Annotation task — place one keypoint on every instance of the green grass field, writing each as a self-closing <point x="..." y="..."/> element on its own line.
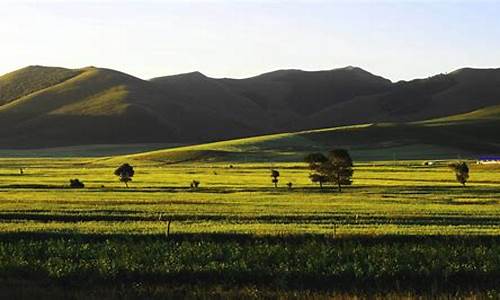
<point x="401" y="229"/>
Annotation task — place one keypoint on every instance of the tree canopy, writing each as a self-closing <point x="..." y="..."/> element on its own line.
<point x="461" y="170"/>
<point x="335" y="168"/>
<point x="125" y="172"/>
<point x="275" y="174"/>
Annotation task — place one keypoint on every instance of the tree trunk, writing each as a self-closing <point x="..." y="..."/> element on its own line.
<point x="340" y="187"/>
<point x="321" y="185"/>
<point x="126" y="184"/>
<point x="275" y="184"/>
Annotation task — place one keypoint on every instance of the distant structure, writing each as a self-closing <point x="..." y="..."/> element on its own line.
<point x="485" y="160"/>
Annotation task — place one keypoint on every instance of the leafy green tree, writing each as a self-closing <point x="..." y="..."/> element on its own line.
<point x="335" y="168"/>
<point x="275" y="174"/>
<point x="461" y="170"/>
<point x="125" y="172"/>
<point x="318" y="178"/>
<point x="339" y="168"/>
<point x="315" y="161"/>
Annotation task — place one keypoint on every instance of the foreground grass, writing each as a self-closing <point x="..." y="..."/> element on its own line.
<point x="403" y="229"/>
<point x="366" y="265"/>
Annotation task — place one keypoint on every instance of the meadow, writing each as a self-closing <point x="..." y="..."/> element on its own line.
<point x="401" y="229"/>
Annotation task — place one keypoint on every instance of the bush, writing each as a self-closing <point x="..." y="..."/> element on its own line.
<point x="76" y="184"/>
<point x="195" y="184"/>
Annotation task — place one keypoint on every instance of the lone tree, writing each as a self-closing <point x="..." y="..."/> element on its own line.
<point x="336" y="168"/>
<point x="125" y="172"/>
<point x="461" y="170"/>
<point x="315" y="161"/>
<point x="275" y="174"/>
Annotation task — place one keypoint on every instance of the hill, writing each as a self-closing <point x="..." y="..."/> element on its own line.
<point x="31" y="79"/>
<point x="105" y="106"/>
<point x="468" y="135"/>
<point x="442" y="95"/>
<point x="48" y="107"/>
<point x="290" y="96"/>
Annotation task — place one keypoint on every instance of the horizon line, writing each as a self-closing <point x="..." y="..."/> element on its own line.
<point x="257" y="75"/>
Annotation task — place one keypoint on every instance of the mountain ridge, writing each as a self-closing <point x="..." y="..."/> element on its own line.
<point x="51" y="106"/>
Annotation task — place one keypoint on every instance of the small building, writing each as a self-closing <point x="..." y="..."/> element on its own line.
<point x="484" y="160"/>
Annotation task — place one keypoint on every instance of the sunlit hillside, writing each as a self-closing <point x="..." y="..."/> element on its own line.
<point x="468" y="135"/>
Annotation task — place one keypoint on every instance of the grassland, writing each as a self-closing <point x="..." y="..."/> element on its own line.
<point x="401" y="229"/>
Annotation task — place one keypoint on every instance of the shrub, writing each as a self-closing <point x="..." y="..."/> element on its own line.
<point x="76" y="184"/>
<point x="195" y="184"/>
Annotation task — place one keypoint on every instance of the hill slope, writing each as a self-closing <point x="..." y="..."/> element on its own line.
<point x="31" y="79"/>
<point x="105" y="106"/>
<point x="47" y="107"/>
<point x="292" y="95"/>
<point x="468" y="135"/>
<point x="459" y="92"/>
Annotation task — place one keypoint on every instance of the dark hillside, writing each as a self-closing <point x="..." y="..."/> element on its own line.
<point x="45" y="107"/>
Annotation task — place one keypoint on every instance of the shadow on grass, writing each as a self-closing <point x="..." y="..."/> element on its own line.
<point x="326" y="219"/>
<point x="252" y="238"/>
<point x="312" y="189"/>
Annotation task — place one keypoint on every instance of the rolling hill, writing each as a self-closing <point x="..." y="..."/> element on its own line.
<point x="48" y="107"/>
<point x="465" y="135"/>
<point x="105" y="106"/>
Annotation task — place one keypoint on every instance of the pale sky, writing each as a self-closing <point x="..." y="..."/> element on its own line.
<point x="395" y="39"/>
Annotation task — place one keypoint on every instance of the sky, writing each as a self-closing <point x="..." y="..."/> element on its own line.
<point x="399" y="40"/>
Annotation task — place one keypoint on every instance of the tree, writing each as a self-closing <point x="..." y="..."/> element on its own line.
<point x="315" y="160"/>
<point x="125" y="172"/>
<point x="461" y="170"/>
<point x="336" y="168"/>
<point x="275" y="174"/>
<point x="339" y="168"/>
<point x="319" y="179"/>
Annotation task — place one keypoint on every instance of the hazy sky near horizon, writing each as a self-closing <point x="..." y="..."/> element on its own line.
<point x="395" y="39"/>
